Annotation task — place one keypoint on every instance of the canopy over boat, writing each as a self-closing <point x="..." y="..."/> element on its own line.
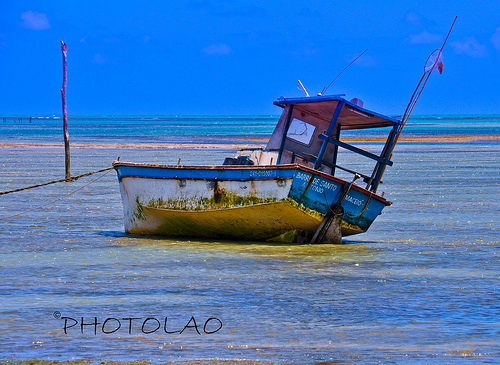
<point x="309" y="130"/>
<point x="352" y="116"/>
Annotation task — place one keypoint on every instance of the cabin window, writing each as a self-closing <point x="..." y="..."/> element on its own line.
<point x="300" y="131"/>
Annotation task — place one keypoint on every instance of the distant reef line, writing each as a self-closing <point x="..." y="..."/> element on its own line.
<point x="257" y="143"/>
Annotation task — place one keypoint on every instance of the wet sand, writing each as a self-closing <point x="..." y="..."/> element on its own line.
<point x="145" y="362"/>
<point x="235" y="146"/>
<point x="253" y="143"/>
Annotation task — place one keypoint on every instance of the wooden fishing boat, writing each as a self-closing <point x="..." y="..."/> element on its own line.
<point x="289" y="191"/>
<point x="285" y="192"/>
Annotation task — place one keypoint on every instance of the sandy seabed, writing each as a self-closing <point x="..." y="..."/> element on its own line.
<point x="254" y="143"/>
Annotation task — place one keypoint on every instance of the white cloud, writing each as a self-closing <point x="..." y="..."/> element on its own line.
<point x="305" y="51"/>
<point x="469" y="46"/>
<point x="99" y="59"/>
<point x="495" y="39"/>
<point x="425" y="38"/>
<point x="217" y="49"/>
<point x="414" y="18"/>
<point x="35" y="21"/>
<point x="363" y="61"/>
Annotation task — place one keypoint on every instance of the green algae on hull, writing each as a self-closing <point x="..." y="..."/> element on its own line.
<point x="139" y="210"/>
<point x="225" y="201"/>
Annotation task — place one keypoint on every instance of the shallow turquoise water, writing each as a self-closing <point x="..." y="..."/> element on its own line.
<point x="421" y="286"/>
<point x="210" y="129"/>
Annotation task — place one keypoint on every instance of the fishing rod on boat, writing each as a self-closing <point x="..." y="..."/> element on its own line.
<point x="302" y="87"/>
<point x="345" y="68"/>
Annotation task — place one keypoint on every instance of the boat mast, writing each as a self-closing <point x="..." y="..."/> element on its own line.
<point x="380" y="168"/>
<point x="427" y="71"/>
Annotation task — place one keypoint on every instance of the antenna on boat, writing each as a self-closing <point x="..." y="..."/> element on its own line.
<point x="303" y="88"/>
<point x="354" y="60"/>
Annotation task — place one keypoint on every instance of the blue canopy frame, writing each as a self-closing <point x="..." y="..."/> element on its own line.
<point x="342" y="115"/>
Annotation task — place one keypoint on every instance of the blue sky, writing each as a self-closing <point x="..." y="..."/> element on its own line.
<point x="235" y="57"/>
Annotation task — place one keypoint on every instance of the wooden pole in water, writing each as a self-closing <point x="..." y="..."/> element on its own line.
<point x="64" y="49"/>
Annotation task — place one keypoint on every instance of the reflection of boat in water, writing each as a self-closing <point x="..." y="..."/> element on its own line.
<point x="289" y="191"/>
<point x="286" y="192"/>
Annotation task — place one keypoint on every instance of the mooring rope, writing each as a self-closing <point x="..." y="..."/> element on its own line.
<point x="73" y="178"/>
<point x="62" y="197"/>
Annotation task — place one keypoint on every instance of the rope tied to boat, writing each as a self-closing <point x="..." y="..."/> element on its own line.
<point x="73" y="178"/>
<point x="108" y="169"/>
<point x="358" y="216"/>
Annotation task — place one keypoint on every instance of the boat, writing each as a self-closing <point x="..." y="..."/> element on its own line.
<point x="288" y="191"/>
<point x="294" y="190"/>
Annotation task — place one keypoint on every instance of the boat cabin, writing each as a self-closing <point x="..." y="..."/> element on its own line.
<point x="309" y="133"/>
